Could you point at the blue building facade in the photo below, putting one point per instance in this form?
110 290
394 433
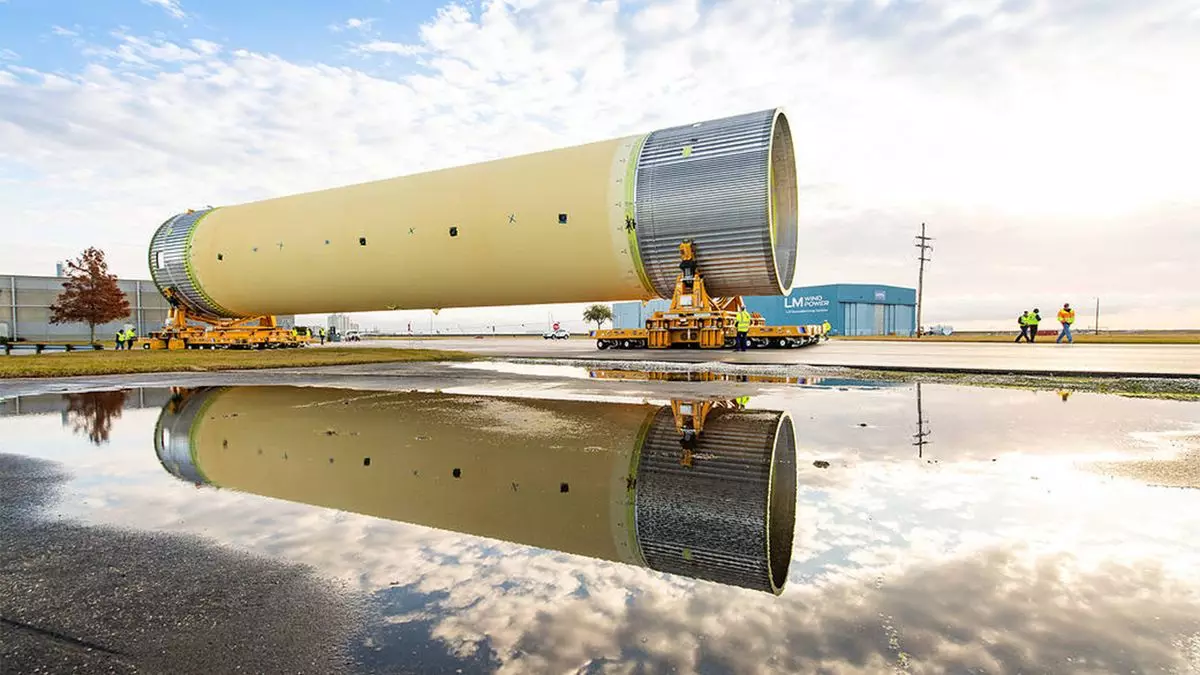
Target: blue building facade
851 309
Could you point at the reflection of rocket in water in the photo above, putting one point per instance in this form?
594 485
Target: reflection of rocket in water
629 483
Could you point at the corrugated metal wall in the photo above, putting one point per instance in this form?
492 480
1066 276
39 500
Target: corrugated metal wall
25 309
633 314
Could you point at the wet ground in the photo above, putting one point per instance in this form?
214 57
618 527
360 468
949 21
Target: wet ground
515 518
1038 358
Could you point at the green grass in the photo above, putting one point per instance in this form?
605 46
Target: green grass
1147 338
61 364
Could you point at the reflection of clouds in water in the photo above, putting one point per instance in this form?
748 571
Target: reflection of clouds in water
884 574
939 567
1000 611
968 423
916 509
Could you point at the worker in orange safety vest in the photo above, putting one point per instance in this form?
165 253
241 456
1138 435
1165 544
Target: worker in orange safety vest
1066 317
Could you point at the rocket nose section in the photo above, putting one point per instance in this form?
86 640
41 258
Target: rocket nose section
171 264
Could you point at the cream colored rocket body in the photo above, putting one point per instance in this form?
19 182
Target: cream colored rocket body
595 222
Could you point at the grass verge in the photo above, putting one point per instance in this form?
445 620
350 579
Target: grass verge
138 361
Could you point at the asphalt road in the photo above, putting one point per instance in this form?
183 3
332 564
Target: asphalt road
1128 360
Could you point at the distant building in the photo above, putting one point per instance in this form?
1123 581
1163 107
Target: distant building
25 309
60 404
850 309
341 323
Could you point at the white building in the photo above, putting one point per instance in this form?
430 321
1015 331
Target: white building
341 323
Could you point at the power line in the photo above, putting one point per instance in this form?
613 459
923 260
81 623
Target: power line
923 245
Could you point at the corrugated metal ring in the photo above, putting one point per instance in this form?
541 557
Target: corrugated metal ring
171 263
729 517
728 185
173 432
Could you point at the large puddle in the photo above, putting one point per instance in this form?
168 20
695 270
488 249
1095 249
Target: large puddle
828 527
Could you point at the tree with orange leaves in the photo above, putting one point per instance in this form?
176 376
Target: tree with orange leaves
90 294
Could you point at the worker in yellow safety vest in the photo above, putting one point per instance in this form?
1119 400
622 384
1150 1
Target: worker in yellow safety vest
1023 322
1035 318
743 327
825 328
1066 316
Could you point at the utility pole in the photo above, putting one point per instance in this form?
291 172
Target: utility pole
923 245
1097 316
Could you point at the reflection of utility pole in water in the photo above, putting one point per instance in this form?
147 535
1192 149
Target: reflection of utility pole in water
922 431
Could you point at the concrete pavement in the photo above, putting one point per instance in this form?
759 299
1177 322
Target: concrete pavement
972 357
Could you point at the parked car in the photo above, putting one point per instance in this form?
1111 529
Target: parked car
352 336
560 334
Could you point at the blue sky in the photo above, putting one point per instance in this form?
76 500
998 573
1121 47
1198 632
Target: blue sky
1034 136
298 30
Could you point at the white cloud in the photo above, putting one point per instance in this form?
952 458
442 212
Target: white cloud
65 32
1047 144
385 47
171 7
9 55
205 47
362 25
155 53
667 17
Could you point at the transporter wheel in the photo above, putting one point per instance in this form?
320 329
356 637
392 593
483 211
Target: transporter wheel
627 344
146 345
601 344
